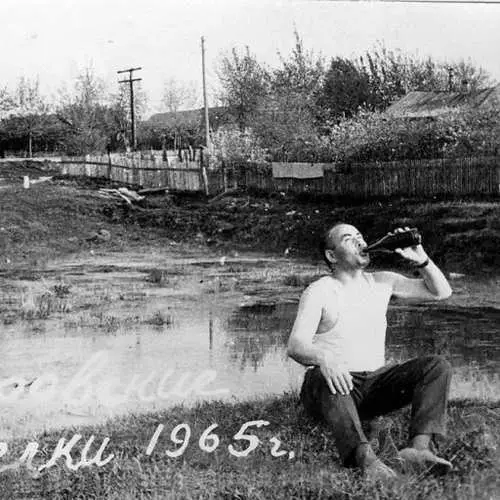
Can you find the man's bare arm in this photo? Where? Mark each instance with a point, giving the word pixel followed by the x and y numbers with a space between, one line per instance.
pixel 432 285
pixel 301 347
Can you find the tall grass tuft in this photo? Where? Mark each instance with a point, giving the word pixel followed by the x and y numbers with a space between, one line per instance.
pixel 161 319
pixel 158 277
pixel 43 305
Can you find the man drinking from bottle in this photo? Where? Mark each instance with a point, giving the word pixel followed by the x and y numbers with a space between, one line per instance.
pixel 339 332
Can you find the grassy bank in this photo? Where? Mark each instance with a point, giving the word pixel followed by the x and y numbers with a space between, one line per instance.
pixel 63 216
pixel 314 471
pixel 55 219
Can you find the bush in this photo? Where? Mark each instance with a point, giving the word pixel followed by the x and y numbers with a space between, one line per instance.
pixel 378 137
pixel 233 145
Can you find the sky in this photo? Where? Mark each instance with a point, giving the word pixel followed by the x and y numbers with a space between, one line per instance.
pixel 55 40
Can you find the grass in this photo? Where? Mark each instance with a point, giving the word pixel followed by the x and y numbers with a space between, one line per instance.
pixel 158 277
pixel 160 318
pixel 51 220
pixel 42 305
pixel 61 289
pixel 76 307
pixel 314 472
pixel 110 323
pixel 469 380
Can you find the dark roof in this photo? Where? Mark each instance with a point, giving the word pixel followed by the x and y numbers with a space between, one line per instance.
pixel 217 114
pixel 419 104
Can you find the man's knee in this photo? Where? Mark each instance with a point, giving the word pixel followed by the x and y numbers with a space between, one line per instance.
pixel 319 402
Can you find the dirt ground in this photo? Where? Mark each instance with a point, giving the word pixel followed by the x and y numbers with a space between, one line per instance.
pixel 64 216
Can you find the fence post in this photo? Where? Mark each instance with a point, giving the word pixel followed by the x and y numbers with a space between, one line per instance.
pixel 203 172
pixel 109 165
pixel 135 171
pixel 224 176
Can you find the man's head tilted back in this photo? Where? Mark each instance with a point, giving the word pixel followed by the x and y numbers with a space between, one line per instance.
pixel 342 244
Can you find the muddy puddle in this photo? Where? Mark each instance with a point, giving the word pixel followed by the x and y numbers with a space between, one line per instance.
pixel 107 334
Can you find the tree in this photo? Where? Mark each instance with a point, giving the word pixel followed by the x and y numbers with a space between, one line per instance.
pixel 183 127
pixel 371 136
pixel 95 120
pixel 287 123
pixel 6 102
pixel 346 89
pixel 120 115
pixel 278 105
pixel 465 76
pixel 28 112
pixel 5 105
pixel 81 111
pixel 178 95
pixel 301 73
pixel 393 74
pixel 27 123
pixel 245 83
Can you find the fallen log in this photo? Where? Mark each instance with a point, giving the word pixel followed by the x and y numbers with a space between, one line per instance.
pixel 121 194
pixel 130 194
pixel 40 179
pixel 152 190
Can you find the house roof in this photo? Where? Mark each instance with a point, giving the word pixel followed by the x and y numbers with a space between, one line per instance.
pixel 418 104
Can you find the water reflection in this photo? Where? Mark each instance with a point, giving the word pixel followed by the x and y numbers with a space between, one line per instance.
pixel 148 330
pixel 463 336
pixel 257 330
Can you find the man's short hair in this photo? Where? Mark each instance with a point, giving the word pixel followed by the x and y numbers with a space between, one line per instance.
pixel 326 242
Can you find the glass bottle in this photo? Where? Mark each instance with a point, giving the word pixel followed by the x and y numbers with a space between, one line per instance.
pixel 389 242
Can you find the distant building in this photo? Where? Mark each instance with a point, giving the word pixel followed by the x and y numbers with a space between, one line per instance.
pixel 418 104
pixel 218 116
pixel 182 129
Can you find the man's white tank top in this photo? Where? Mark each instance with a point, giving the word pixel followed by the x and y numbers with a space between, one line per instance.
pixel 358 336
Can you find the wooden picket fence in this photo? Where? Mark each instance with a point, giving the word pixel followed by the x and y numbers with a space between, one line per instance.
pixel 418 178
pixel 135 170
pixel 415 178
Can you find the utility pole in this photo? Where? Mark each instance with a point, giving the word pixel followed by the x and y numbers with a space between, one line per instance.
pixel 207 126
pixel 131 81
pixel 205 103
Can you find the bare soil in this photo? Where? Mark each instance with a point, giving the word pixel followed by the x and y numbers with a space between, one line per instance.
pixel 66 216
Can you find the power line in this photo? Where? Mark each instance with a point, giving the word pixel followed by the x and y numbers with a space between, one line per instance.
pixel 131 81
pixel 469 2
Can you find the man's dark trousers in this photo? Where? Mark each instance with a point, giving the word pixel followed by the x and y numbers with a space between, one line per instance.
pixel 422 382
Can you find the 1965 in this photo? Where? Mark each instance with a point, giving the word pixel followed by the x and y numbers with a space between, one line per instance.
pixel 209 441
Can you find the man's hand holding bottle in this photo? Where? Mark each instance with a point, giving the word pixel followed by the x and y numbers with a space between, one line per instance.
pixel 415 254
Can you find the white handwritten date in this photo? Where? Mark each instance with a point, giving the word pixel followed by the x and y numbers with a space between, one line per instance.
pixel 209 441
